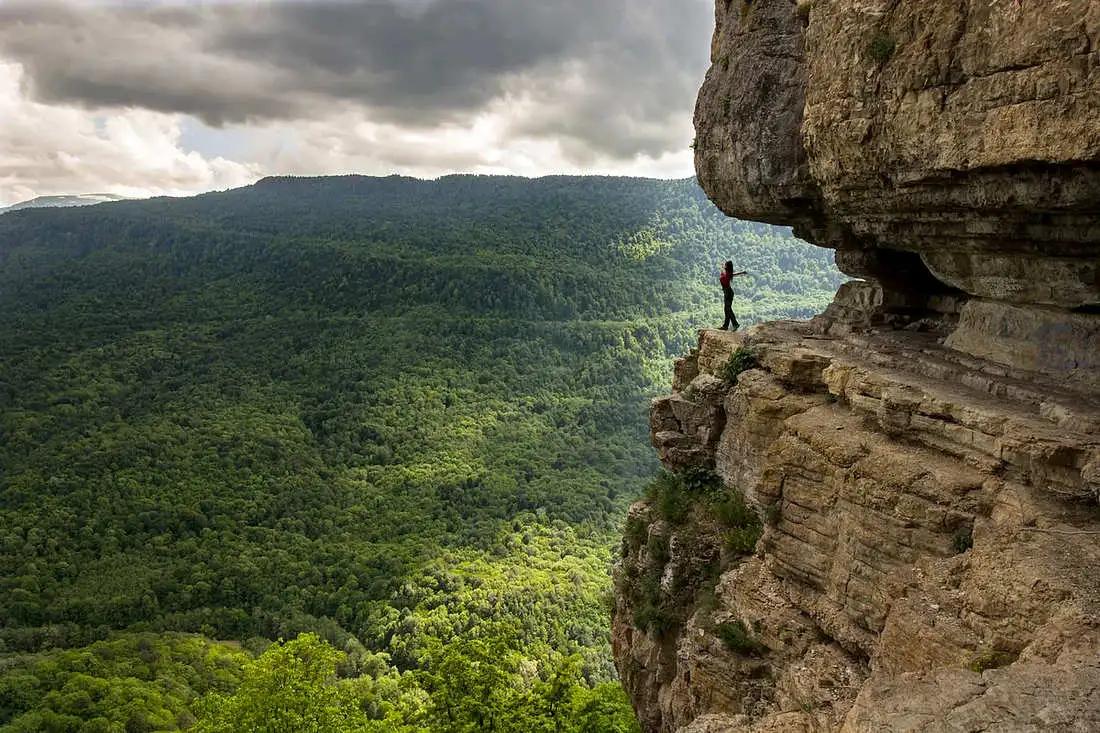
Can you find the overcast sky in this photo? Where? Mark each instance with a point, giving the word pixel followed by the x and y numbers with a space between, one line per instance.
pixel 140 98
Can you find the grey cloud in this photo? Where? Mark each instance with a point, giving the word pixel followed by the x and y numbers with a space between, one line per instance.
pixel 420 63
pixel 134 57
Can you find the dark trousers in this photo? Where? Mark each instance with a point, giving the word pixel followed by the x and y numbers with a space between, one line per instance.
pixel 731 320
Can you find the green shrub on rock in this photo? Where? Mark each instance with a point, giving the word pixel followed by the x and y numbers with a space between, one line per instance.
pixel 737 638
pixel 742 540
pixel 634 534
pixel 990 659
pixel 881 48
pixel 669 496
pixel 740 360
pixel 963 539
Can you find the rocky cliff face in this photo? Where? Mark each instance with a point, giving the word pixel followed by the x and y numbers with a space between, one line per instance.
pixel 941 147
pixel 922 461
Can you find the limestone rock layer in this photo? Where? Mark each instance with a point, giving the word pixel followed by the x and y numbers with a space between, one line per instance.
pixel 941 147
pixel 930 558
pixel 924 456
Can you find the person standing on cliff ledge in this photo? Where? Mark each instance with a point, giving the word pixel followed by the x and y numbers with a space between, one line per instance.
pixel 725 277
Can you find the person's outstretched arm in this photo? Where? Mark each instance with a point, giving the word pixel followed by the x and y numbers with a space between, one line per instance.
pixel 739 274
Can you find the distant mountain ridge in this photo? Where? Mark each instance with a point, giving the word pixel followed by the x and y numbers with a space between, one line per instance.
pixel 65 200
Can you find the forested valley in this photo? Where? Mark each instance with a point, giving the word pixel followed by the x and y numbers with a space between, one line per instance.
pixel 393 423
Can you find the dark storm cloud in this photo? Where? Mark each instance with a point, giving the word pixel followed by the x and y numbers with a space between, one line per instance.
pixel 603 76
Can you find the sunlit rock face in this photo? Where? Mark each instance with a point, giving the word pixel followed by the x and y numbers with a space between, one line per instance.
pixel 930 548
pixel 924 456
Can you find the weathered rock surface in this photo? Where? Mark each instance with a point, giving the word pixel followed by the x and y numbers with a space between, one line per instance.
pixel 931 556
pixel 943 148
pixel 926 452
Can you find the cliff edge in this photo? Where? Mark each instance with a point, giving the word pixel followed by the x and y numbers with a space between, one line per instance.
pixel 887 519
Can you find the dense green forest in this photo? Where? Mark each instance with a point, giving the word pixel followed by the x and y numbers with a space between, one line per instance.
pixel 393 422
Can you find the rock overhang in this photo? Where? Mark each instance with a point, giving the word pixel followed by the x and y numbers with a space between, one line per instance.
pixel 941 148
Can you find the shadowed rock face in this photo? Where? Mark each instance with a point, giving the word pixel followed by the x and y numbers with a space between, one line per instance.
pixel 941 147
pixel 748 120
pixel 925 455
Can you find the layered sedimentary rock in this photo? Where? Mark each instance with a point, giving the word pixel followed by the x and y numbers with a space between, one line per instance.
pixel 931 553
pixel 941 147
pixel 925 455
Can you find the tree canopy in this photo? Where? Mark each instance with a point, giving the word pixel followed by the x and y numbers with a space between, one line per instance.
pixel 395 422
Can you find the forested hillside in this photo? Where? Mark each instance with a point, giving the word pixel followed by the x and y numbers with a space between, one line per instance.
pixel 406 416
